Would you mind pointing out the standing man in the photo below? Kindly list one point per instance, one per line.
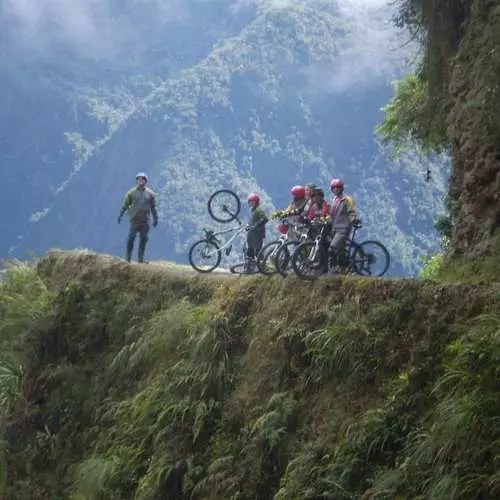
(139, 201)
(343, 212)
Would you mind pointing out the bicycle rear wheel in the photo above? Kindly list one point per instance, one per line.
(224, 205)
(207, 250)
(267, 257)
(371, 258)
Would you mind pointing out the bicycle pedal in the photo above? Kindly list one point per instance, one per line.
(228, 249)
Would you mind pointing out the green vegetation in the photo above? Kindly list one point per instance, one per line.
(408, 121)
(452, 101)
(419, 111)
(140, 383)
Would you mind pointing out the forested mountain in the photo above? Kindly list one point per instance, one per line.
(201, 95)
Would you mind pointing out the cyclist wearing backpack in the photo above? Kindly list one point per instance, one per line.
(343, 212)
(256, 230)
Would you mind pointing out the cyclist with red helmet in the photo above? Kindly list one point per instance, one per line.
(299, 200)
(296, 206)
(256, 230)
(343, 213)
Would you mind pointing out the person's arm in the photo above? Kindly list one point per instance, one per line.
(127, 203)
(351, 209)
(154, 212)
(259, 218)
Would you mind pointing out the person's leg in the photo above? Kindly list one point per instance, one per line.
(143, 239)
(130, 242)
(258, 246)
(254, 252)
(337, 247)
(250, 253)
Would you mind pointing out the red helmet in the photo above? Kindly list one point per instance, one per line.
(298, 192)
(283, 228)
(337, 183)
(253, 197)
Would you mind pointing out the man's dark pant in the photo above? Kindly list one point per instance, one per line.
(254, 246)
(143, 230)
(338, 246)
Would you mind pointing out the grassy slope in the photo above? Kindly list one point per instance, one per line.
(254, 387)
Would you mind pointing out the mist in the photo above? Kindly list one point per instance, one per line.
(111, 29)
(376, 52)
(96, 28)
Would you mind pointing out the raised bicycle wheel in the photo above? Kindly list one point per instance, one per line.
(305, 264)
(206, 250)
(267, 257)
(283, 260)
(371, 258)
(224, 205)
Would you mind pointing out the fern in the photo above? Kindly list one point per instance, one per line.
(10, 376)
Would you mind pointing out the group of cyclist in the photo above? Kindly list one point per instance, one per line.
(308, 204)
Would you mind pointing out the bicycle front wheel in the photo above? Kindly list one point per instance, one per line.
(308, 261)
(224, 205)
(371, 258)
(204, 256)
(267, 257)
(283, 260)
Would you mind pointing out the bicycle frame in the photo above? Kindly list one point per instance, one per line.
(351, 240)
(318, 240)
(213, 237)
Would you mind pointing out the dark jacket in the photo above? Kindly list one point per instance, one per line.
(257, 223)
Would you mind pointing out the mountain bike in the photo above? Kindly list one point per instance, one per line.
(283, 259)
(223, 206)
(313, 258)
(266, 257)
(275, 256)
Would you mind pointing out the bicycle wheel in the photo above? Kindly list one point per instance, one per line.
(224, 205)
(283, 260)
(371, 258)
(308, 263)
(240, 269)
(207, 249)
(267, 257)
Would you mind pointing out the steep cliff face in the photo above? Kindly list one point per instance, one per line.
(458, 105)
(143, 382)
(474, 129)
